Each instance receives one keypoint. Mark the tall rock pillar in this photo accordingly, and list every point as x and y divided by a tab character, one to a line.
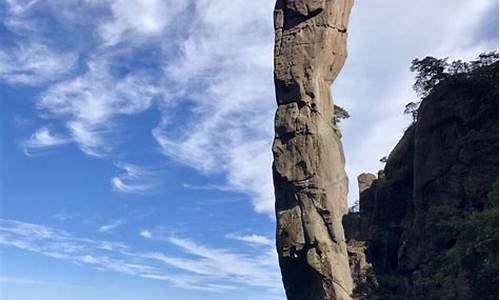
309	177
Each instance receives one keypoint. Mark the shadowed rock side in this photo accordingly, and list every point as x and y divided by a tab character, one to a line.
309	177
455	165
435	194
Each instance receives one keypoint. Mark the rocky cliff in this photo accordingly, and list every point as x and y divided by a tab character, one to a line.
430	219
308	170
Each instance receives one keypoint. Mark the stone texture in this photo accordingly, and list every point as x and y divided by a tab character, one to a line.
447	159
309	177
365	181
356	224
455	164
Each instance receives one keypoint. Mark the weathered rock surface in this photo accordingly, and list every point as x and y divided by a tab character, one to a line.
441	170
365	181
309	177
455	165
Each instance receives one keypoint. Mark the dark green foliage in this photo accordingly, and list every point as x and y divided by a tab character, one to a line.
476	249
339	114
366	288
377	287
430	72
472	256
485	59
459	67
412	110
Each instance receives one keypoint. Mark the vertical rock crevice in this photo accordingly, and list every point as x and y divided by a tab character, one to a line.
309	176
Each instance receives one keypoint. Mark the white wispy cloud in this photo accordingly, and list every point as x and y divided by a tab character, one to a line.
17	7
137	19
142	213
17	17
21	280
233	99
261	270
133	179
252	239
33	64
208	187
43	138
199	267
17	280
110	227
64	216
89	103
146	234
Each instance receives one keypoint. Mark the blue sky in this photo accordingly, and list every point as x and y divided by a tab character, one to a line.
135	137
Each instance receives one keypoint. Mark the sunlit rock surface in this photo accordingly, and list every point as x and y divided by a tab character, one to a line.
309	177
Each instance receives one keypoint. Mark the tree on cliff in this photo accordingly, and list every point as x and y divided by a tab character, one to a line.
412	109
430	72
339	114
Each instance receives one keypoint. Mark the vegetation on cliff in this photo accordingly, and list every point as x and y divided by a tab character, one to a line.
431	71
432	219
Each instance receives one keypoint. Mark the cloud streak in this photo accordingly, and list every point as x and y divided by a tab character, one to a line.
146	234
225	265
43	138
200	267
34	64
137	19
89	103
133	179
110	227
252	239
233	100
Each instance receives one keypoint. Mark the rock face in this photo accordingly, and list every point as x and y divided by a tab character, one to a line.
455	165
309	177
365	181
439	173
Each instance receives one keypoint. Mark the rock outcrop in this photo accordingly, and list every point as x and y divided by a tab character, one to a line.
455	165
434	196
309	177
